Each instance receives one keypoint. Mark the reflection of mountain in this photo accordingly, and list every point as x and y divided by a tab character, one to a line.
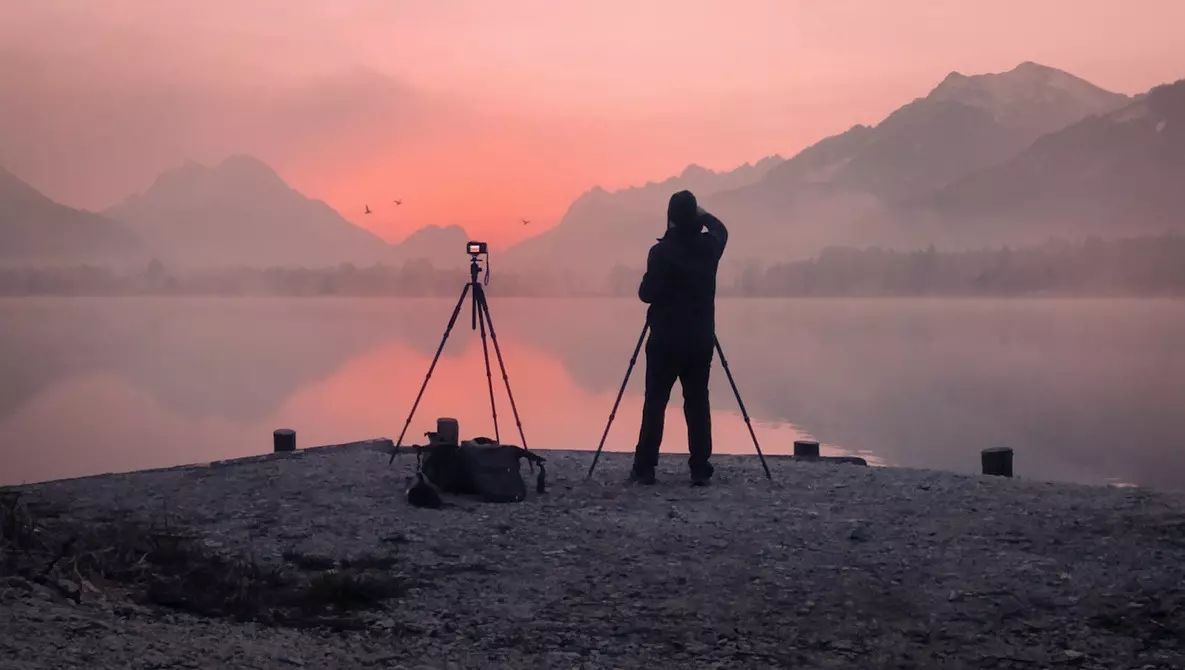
929	383
240	212
37	230
226	359
924	383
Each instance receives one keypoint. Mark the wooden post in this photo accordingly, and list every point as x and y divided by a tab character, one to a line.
448	431
284	439
997	461
806	449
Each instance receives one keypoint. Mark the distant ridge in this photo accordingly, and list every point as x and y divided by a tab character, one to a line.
1111	175
616	225
442	246
37	230
825	194
964	124
240	212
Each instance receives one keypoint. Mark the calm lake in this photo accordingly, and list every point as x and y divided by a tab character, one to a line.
1085	390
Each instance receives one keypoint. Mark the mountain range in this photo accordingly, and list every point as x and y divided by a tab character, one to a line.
990	159
236	213
858	187
1114	174
620	225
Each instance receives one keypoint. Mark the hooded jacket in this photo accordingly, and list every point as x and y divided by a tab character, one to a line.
680	284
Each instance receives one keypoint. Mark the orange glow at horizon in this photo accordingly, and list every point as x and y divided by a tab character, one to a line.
375	391
481	114
367	397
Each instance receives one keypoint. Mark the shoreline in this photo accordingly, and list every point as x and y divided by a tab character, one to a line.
828	565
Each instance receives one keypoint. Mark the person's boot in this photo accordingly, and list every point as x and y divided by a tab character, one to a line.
642	475
701	476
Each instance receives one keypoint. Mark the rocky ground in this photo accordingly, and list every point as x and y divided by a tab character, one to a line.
315	560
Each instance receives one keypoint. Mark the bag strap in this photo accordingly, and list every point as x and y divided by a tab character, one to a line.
536	459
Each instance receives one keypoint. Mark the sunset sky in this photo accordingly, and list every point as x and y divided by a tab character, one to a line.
480	113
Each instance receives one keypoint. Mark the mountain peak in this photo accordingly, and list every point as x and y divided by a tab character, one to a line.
444	246
245	164
694	170
240	212
1026	75
1024	90
234	174
1031	68
248	170
954	78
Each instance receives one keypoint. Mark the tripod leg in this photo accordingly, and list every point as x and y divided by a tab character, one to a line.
452	320
484	306
724	364
620	392
485	352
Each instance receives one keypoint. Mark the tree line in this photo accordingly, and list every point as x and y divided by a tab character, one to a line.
1143	266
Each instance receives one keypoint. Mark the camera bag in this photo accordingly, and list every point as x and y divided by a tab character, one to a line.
480	467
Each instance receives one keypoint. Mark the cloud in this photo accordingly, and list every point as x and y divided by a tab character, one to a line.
89	132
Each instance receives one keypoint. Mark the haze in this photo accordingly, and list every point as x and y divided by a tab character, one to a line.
479	113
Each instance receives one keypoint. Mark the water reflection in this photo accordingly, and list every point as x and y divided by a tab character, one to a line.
1084	390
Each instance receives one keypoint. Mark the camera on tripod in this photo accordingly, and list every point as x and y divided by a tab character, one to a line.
481	322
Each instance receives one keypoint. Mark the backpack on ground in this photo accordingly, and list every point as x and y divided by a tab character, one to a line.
480	467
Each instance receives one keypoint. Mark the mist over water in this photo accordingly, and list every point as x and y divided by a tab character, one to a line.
1084	390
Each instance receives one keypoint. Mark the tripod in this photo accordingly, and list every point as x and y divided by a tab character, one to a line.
481	319
621	391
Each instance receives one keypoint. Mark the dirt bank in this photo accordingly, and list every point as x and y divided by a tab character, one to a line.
314	560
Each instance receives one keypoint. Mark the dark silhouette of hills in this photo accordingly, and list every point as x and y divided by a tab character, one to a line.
1115	174
965	124
241	213
1008	158
35	229
442	246
824	195
620	225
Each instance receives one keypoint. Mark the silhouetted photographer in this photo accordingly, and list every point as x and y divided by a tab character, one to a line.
680	287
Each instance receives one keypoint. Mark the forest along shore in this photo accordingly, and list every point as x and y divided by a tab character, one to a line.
314	559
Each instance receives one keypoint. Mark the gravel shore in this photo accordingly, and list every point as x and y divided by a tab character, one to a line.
827	566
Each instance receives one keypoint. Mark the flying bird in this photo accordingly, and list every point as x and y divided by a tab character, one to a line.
525	222
368	209
397	202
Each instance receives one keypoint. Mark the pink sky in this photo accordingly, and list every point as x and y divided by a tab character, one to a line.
480	113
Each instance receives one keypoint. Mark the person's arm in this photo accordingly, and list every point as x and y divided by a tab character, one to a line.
654	280
715	228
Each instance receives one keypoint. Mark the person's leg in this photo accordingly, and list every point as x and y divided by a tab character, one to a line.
693	376
661	372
